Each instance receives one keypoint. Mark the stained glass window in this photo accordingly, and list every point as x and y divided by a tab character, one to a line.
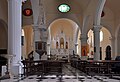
64	8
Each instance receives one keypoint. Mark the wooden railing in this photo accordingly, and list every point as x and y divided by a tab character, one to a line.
42	67
100	67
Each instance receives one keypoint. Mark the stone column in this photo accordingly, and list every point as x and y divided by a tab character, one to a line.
8	68
76	44
84	47
48	50
36	38
14	33
36	31
96	30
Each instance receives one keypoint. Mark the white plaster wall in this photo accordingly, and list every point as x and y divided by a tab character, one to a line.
106	41
28	30
79	45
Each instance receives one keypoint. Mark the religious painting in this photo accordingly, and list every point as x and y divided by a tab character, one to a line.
84	50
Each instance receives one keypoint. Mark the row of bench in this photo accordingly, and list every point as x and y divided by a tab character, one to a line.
98	67
42	67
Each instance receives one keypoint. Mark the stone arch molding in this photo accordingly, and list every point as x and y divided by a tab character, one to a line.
117	40
99	9
70	17
75	35
86	23
4	24
4	36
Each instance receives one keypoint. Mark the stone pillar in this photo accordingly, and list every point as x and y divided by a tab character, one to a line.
36	31
76	44
48	50
84	47
36	38
14	33
8	68
96	30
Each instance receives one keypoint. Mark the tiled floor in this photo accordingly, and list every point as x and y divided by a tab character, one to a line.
63	79
69	75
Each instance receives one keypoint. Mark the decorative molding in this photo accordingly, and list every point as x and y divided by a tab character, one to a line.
97	28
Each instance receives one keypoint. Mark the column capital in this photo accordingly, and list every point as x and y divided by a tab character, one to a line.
83	39
17	1
97	28
24	0
100	26
83	36
76	44
35	27
112	38
48	44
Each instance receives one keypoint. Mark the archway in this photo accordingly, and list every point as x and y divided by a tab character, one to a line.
118	41
105	37
3	35
108	53
63	34
3	43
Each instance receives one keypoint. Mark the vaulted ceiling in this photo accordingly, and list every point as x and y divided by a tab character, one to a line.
77	7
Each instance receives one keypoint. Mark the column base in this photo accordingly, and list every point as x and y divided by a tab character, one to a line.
96	56
36	56
15	70
6	76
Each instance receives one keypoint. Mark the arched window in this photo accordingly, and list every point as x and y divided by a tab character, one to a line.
22	38
66	45
101	36
57	45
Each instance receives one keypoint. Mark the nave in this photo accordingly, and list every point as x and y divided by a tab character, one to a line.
70	74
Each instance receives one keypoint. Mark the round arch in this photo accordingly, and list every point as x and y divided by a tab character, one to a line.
3	35
75	32
52	20
105	36
117	40
71	21
108	27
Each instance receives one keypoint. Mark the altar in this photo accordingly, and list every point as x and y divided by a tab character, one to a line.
61	45
62	53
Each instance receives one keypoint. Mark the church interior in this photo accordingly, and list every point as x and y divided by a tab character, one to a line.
59	41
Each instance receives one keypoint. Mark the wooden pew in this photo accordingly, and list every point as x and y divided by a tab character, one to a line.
33	67
102	67
42	67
